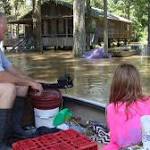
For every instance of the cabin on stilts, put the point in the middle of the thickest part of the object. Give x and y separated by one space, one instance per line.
57 25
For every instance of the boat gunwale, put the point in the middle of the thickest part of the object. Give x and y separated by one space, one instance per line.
91 103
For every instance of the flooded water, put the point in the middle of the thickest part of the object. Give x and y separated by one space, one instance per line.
92 78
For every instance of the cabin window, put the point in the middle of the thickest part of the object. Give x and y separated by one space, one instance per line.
61 27
49 27
53 27
42 28
70 27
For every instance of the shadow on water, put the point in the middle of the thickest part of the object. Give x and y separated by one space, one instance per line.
92 78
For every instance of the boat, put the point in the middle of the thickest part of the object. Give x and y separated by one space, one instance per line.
89 110
82 108
123 53
85 109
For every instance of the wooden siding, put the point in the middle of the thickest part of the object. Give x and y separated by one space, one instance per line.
52 9
116 29
57 41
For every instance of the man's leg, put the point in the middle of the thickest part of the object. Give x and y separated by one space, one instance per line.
18 111
21 91
7 97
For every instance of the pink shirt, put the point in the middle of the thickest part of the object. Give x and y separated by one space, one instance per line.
125 131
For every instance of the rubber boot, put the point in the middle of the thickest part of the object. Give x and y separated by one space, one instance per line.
17 115
5 115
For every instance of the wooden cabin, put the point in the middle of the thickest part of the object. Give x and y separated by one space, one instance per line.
57 25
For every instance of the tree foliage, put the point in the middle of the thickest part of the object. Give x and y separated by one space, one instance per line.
5 6
135 10
97 3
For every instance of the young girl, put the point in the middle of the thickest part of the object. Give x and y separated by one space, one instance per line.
127 105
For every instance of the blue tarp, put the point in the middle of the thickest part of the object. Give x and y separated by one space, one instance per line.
96 53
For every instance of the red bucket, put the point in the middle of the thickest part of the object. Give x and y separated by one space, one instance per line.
49 99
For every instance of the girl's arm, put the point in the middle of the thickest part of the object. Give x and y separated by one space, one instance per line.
110 124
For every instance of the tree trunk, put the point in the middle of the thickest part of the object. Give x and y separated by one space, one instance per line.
79 34
88 23
36 16
127 8
128 12
105 27
148 50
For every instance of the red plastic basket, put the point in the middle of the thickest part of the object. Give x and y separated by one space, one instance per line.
63 140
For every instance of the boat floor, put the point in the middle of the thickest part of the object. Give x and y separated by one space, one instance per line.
100 146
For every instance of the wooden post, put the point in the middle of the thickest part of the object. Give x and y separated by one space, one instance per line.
118 43
109 43
18 30
11 30
23 28
125 41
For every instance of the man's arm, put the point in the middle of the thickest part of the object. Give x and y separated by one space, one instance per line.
10 78
7 65
9 74
18 73
6 77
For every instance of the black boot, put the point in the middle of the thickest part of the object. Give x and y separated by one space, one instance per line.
17 115
4 125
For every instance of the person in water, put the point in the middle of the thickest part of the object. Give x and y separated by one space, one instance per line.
126 106
13 90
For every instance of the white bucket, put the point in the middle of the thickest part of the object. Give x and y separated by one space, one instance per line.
45 117
145 122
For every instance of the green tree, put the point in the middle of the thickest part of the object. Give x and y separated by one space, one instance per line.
135 10
88 23
142 13
17 5
5 6
121 7
105 26
97 3
36 16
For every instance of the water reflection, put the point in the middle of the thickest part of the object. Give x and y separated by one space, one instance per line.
92 78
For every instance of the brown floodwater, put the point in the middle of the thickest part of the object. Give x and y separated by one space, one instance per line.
92 78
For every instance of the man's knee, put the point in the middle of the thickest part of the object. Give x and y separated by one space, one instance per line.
21 90
10 88
7 95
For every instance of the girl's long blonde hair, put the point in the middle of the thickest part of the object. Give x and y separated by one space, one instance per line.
126 85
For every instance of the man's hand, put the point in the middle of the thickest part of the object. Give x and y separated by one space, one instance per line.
37 87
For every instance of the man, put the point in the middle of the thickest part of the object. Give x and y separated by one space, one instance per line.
13 89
